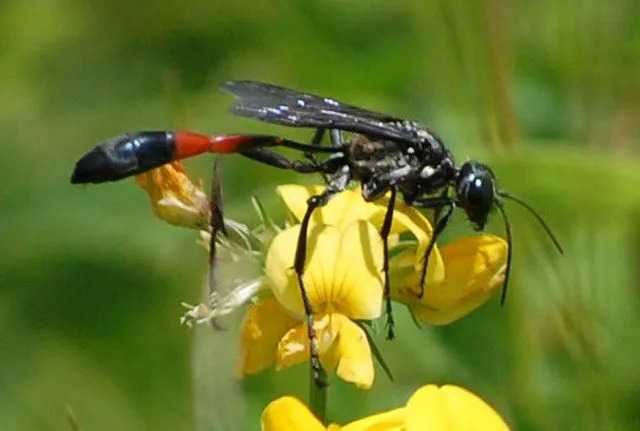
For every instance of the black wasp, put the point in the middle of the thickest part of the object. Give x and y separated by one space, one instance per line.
385 154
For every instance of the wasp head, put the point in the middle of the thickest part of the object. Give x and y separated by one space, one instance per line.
475 188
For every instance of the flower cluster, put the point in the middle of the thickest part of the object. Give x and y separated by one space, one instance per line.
429 408
344 281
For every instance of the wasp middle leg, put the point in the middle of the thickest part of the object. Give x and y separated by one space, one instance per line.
384 233
311 156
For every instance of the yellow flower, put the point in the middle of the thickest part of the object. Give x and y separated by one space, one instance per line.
474 269
174 198
430 408
343 281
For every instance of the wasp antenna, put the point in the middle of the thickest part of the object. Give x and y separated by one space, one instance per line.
507 229
536 215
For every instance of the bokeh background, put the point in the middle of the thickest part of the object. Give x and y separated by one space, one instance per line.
547 92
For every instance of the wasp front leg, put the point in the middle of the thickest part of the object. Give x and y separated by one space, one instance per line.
437 203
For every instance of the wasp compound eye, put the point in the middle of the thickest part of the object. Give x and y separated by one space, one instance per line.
476 192
480 192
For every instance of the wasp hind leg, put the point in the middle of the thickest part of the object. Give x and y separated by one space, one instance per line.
277 160
336 186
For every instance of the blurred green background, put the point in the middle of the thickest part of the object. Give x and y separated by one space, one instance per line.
546 92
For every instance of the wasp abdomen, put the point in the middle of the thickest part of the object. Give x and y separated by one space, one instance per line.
124 156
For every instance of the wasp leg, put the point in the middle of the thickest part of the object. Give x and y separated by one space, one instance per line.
438 210
331 165
277 160
216 224
436 203
336 138
336 144
317 137
384 233
311 156
336 186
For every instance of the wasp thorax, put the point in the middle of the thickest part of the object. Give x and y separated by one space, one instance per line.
475 188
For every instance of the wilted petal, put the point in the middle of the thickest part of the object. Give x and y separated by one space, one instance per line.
174 198
293 348
343 270
474 270
450 408
264 325
289 414
342 345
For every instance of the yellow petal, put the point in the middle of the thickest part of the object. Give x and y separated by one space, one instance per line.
174 198
349 205
474 270
343 208
295 197
357 283
289 414
393 420
342 345
351 352
405 218
264 325
450 408
279 270
404 270
343 270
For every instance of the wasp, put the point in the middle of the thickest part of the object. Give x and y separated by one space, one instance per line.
385 154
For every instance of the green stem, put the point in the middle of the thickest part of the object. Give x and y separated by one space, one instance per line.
318 395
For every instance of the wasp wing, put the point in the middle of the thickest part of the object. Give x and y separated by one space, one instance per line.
274 104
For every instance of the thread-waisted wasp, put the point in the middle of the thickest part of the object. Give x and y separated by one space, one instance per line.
385 154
